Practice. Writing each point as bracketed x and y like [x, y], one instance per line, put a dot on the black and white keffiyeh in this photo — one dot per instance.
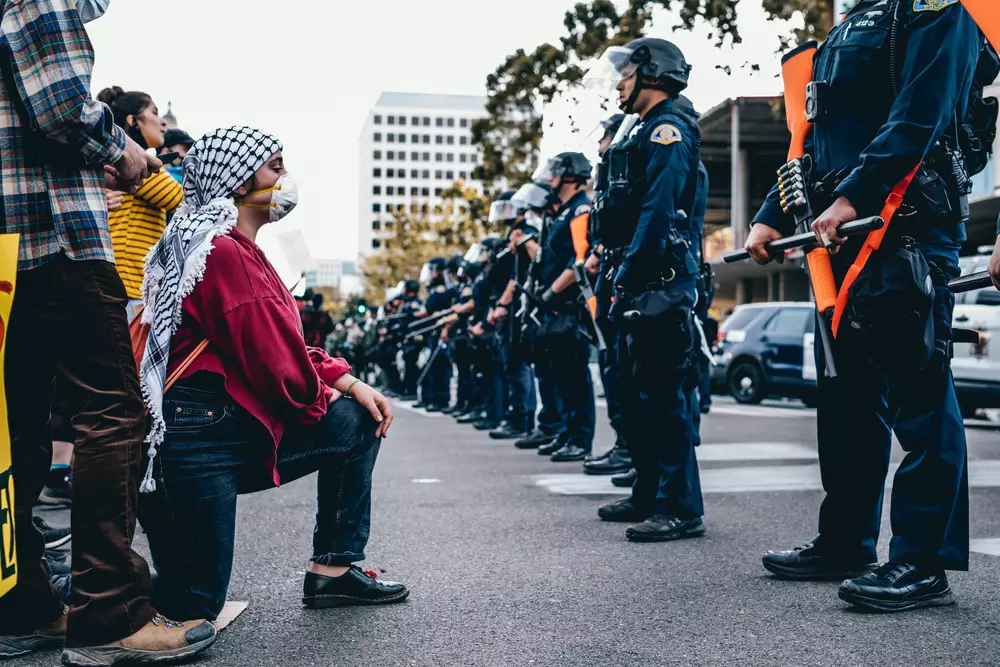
[217, 164]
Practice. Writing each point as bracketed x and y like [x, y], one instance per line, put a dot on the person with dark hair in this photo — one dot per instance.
[316, 322]
[141, 217]
[176, 141]
[61, 149]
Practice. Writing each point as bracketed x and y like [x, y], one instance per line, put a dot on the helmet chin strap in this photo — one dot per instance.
[629, 104]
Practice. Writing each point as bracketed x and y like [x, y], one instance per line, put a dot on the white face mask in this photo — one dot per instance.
[284, 197]
[91, 10]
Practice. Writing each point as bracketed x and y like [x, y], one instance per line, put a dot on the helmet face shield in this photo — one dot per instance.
[614, 65]
[506, 210]
[475, 253]
[547, 171]
[533, 197]
[425, 275]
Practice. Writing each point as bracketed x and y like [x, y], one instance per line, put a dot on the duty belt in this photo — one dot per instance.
[615, 256]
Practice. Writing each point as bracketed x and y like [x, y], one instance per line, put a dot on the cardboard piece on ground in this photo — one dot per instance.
[229, 613]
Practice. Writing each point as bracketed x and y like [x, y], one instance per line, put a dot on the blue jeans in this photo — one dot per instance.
[214, 451]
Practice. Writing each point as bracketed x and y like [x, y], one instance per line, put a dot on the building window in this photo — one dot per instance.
[451, 122]
[414, 121]
[377, 138]
[425, 192]
[426, 157]
[401, 173]
[426, 173]
[377, 155]
[376, 189]
[437, 192]
[450, 175]
[463, 141]
[390, 155]
[474, 159]
[464, 175]
[414, 157]
[414, 192]
[376, 244]
[414, 138]
[464, 122]
[402, 120]
[392, 120]
[414, 173]
[401, 138]
[427, 121]
[389, 224]
[389, 190]
[376, 173]
[439, 157]
[451, 157]
[439, 122]
[426, 138]
[389, 173]
[439, 139]
[439, 174]
[391, 138]
[378, 120]
[451, 141]
[376, 225]
[376, 208]
[462, 158]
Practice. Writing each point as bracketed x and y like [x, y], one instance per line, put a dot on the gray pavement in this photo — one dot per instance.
[507, 568]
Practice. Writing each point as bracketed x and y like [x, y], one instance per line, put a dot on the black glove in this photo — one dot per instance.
[619, 305]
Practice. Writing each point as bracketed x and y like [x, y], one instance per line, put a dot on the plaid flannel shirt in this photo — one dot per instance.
[54, 139]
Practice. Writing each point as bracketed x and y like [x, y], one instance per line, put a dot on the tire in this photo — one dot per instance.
[746, 383]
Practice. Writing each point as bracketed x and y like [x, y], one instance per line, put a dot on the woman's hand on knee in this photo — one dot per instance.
[376, 404]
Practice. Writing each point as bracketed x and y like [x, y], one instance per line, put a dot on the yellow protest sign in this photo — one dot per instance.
[8, 548]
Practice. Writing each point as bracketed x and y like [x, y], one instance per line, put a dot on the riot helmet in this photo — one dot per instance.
[411, 287]
[657, 64]
[535, 197]
[505, 208]
[432, 273]
[611, 125]
[567, 167]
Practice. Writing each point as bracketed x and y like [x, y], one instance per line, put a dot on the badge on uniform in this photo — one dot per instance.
[668, 134]
[931, 5]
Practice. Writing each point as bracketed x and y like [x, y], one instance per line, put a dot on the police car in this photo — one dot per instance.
[977, 367]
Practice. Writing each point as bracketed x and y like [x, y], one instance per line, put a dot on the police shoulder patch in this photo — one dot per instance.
[666, 134]
[931, 5]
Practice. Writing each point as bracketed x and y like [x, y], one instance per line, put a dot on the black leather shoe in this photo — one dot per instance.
[568, 454]
[355, 587]
[663, 528]
[431, 409]
[807, 563]
[502, 426]
[486, 424]
[898, 586]
[453, 409]
[622, 511]
[508, 431]
[614, 462]
[626, 480]
[550, 449]
[534, 440]
[420, 405]
[470, 418]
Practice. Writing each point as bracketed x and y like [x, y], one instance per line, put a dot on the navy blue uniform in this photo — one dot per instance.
[879, 137]
[654, 353]
[411, 352]
[700, 396]
[563, 339]
[436, 389]
[461, 349]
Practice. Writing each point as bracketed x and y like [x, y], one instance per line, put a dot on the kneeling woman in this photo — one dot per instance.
[255, 407]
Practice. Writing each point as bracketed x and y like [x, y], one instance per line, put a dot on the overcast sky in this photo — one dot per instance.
[308, 72]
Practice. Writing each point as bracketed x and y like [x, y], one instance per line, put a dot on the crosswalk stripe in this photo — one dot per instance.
[989, 546]
[757, 451]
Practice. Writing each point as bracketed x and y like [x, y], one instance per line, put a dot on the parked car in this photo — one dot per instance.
[977, 367]
[761, 351]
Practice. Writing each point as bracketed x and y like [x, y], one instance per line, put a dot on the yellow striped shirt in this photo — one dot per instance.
[138, 225]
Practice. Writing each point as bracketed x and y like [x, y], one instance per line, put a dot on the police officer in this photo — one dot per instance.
[564, 340]
[411, 348]
[880, 113]
[647, 247]
[617, 459]
[456, 331]
[435, 390]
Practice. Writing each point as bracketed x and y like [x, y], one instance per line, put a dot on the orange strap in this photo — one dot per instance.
[139, 333]
[872, 243]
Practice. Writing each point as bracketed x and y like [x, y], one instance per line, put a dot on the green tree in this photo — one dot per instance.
[509, 136]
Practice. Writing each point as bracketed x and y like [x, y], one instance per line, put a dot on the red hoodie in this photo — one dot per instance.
[255, 339]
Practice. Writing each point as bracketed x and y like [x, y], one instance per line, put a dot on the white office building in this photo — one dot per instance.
[413, 148]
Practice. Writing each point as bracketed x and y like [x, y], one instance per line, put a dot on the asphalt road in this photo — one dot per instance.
[509, 564]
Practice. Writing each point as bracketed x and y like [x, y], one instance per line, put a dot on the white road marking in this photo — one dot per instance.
[989, 546]
[757, 451]
[429, 480]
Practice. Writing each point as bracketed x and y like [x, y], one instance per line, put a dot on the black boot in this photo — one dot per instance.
[808, 563]
[508, 431]
[550, 449]
[625, 480]
[614, 462]
[663, 528]
[898, 586]
[470, 418]
[535, 439]
[622, 511]
[569, 454]
[355, 587]
[486, 424]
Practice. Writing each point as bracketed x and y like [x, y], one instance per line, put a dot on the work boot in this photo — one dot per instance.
[622, 511]
[569, 454]
[537, 438]
[486, 424]
[471, 417]
[53, 634]
[898, 586]
[663, 528]
[160, 640]
[355, 587]
[54, 537]
[626, 480]
[612, 463]
[808, 563]
[550, 449]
